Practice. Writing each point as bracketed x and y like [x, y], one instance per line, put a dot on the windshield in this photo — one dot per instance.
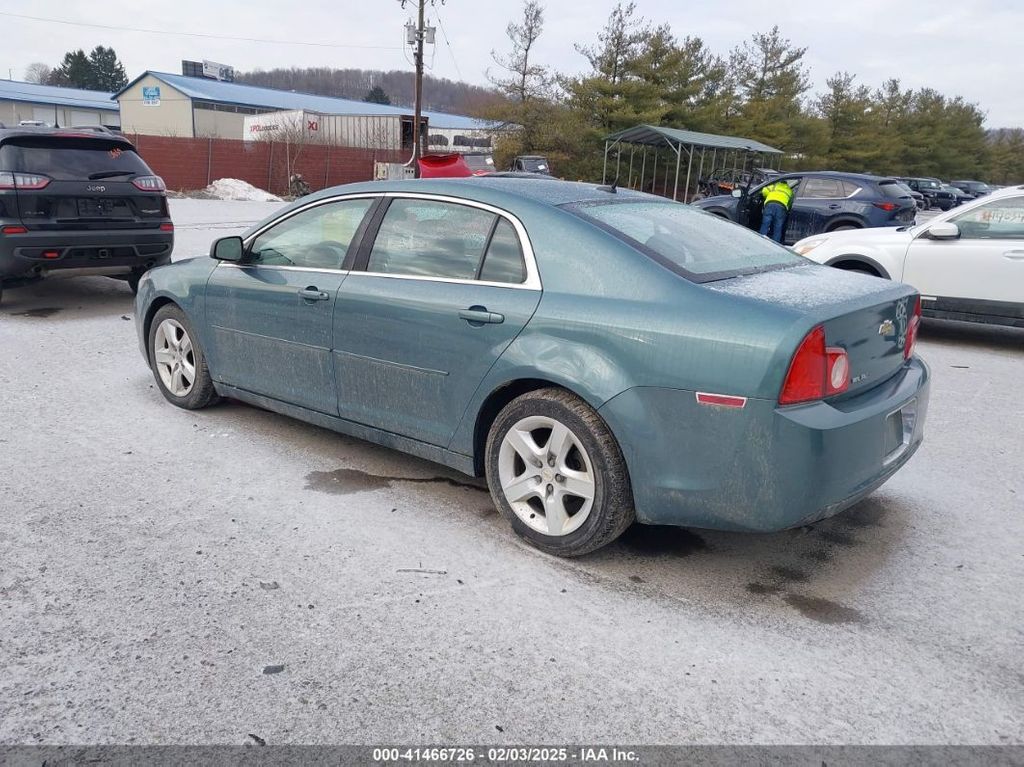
[479, 161]
[71, 159]
[534, 164]
[698, 245]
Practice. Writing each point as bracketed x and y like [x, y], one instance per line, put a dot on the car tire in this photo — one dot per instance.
[541, 487]
[133, 282]
[175, 355]
[843, 228]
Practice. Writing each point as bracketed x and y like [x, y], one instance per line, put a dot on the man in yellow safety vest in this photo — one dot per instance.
[778, 199]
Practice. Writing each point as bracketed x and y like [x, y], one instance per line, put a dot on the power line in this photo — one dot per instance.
[193, 34]
[451, 50]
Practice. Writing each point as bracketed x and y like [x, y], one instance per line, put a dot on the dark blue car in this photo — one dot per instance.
[824, 201]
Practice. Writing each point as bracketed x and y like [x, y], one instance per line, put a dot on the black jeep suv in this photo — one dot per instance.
[78, 201]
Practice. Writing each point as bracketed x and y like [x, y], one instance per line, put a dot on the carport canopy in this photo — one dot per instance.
[680, 142]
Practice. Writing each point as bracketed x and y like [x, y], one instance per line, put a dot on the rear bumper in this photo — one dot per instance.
[764, 468]
[37, 254]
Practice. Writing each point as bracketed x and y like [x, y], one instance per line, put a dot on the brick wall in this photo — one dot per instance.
[192, 163]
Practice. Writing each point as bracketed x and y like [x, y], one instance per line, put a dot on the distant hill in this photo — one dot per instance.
[440, 94]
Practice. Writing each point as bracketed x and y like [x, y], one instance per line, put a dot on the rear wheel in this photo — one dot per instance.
[133, 282]
[557, 475]
[843, 228]
[178, 362]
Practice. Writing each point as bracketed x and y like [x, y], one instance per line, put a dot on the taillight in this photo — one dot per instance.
[9, 180]
[166, 227]
[816, 371]
[149, 183]
[912, 327]
[14, 230]
[886, 206]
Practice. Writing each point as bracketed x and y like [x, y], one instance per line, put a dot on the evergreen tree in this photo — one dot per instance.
[74, 71]
[769, 79]
[376, 95]
[107, 71]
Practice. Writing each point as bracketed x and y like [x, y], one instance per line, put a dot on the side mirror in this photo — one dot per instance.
[227, 249]
[944, 230]
[737, 192]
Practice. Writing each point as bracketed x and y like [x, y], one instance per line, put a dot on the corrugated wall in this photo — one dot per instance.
[192, 163]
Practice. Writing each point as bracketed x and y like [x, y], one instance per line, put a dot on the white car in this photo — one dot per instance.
[967, 263]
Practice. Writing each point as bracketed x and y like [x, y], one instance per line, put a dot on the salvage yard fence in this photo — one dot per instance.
[193, 163]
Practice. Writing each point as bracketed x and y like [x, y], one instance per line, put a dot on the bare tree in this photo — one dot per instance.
[38, 72]
[527, 80]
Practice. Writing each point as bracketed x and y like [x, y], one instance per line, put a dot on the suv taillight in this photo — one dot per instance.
[816, 371]
[149, 183]
[912, 328]
[886, 206]
[10, 180]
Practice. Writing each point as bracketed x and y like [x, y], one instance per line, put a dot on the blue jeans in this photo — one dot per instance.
[773, 220]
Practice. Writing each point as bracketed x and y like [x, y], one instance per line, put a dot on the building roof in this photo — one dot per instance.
[653, 135]
[272, 98]
[14, 90]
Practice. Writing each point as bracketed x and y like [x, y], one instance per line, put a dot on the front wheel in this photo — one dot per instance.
[178, 362]
[557, 475]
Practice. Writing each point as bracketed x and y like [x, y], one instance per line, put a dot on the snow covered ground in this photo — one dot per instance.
[153, 562]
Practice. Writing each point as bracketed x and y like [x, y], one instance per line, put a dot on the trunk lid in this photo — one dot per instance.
[867, 316]
[101, 204]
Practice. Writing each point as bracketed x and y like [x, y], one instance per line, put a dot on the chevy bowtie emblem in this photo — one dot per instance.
[887, 328]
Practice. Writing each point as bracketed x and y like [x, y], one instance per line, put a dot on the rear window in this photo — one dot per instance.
[68, 159]
[894, 189]
[698, 245]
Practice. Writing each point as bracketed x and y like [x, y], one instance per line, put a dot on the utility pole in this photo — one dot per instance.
[418, 35]
[417, 144]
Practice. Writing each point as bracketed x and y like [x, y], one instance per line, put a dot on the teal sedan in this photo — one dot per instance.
[601, 356]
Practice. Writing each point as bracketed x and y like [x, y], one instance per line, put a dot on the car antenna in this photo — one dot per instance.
[612, 187]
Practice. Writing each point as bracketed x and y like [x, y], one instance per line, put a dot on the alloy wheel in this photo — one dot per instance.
[546, 475]
[174, 357]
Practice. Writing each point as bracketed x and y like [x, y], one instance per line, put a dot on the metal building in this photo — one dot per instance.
[51, 105]
[158, 103]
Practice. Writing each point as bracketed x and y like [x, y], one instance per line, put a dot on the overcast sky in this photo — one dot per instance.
[964, 47]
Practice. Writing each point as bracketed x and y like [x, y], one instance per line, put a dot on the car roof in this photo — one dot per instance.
[23, 131]
[552, 192]
[836, 174]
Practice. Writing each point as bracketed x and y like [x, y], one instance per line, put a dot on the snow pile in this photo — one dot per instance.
[236, 189]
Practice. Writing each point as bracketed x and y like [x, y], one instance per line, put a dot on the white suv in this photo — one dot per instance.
[968, 263]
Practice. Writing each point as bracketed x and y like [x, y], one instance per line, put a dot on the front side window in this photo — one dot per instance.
[429, 238]
[995, 220]
[698, 245]
[317, 238]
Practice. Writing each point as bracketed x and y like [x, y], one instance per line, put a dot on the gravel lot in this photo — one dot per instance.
[175, 577]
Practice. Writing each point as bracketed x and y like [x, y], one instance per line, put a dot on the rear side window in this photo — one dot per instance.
[698, 245]
[72, 159]
[822, 188]
[894, 189]
[504, 259]
[427, 238]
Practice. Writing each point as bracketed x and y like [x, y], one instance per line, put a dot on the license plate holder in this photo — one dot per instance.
[899, 431]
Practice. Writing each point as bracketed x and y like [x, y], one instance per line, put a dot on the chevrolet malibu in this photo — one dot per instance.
[601, 356]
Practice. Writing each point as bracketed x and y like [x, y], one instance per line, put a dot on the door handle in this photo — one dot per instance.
[834, 206]
[478, 315]
[1014, 255]
[313, 293]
